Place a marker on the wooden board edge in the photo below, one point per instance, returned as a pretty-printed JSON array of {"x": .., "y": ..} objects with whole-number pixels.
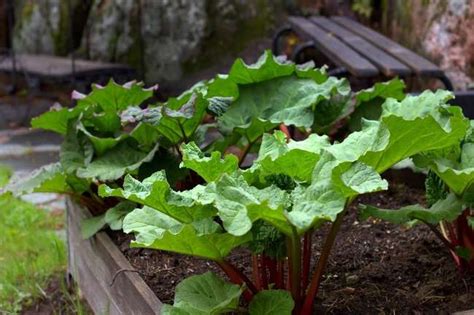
[{"x": 104, "y": 259}]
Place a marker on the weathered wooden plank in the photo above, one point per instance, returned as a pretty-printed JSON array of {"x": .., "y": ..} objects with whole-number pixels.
[
  {"x": 333, "y": 48},
  {"x": 387, "y": 64},
  {"x": 93, "y": 264},
  {"x": 418, "y": 64},
  {"x": 59, "y": 67}
]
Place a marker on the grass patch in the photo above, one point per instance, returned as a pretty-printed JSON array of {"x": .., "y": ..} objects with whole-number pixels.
[
  {"x": 30, "y": 250},
  {"x": 5, "y": 173}
]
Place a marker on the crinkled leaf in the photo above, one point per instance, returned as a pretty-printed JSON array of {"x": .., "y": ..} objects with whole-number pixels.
[
  {"x": 101, "y": 144},
  {"x": 295, "y": 158},
  {"x": 156, "y": 230},
  {"x": 155, "y": 192},
  {"x": 267, "y": 67},
  {"x": 219, "y": 105},
  {"x": 315, "y": 204},
  {"x": 240, "y": 204},
  {"x": 146, "y": 136},
  {"x": 102, "y": 122},
  {"x": 459, "y": 176},
  {"x": 114, "y": 97},
  {"x": 181, "y": 117},
  {"x": 416, "y": 124},
  {"x": 357, "y": 178},
  {"x": 76, "y": 150},
  {"x": 54, "y": 120},
  {"x": 49, "y": 178},
  {"x": 210, "y": 168},
  {"x": 332, "y": 111},
  {"x": 204, "y": 294},
  {"x": 272, "y": 302},
  {"x": 148, "y": 224},
  {"x": 447, "y": 209},
  {"x": 116, "y": 162},
  {"x": 149, "y": 115},
  {"x": 262, "y": 106}
]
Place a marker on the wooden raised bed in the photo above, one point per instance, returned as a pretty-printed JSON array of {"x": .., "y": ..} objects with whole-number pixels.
[{"x": 94, "y": 263}]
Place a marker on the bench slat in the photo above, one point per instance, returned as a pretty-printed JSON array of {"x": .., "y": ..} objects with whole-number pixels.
[
  {"x": 387, "y": 64},
  {"x": 420, "y": 65},
  {"x": 59, "y": 67},
  {"x": 335, "y": 49}
]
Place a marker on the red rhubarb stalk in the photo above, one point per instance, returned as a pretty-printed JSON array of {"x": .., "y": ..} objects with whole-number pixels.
[
  {"x": 306, "y": 261},
  {"x": 256, "y": 272},
  {"x": 321, "y": 265},
  {"x": 237, "y": 277}
]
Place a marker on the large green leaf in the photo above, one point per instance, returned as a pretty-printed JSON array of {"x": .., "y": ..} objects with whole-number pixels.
[
  {"x": 447, "y": 209},
  {"x": 49, "y": 178},
  {"x": 101, "y": 144},
  {"x": 181, "y": 117},
  {"x": 240, "y": 204},
  {"x": 155, "y": 192},
  {"x": 289, "y": 100},
  {"x": 177, "y": 119},
  {"x": 458, "y": 176},
  {"x": 154, "y": 229},
  {"x": 209, "y": 168},
  {"x": 253, "y": 99},
  {"x": 115, "y": 163},
  {"x": 56, "y": 119},
  {"x": 146, "y": 136},
  {"x": 416, "y": 124},
  {"x": 205, "y": 294},
  {"x": 76, "y": 150},
  {"x": 267, "y": 67},
  {"x": 113, "y": 97},
  {"x": 272, "y": 302},
  {"x": 293, "y": 158}
]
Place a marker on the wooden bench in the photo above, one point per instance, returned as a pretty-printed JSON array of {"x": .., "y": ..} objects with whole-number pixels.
[
  {"x": 36, "y": 69},
  {"x": 356, "y": 49}
]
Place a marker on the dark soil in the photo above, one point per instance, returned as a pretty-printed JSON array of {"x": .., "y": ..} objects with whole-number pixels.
[
  {"x": 58, "y": 298},
  {"x": 375, "y": 267}
]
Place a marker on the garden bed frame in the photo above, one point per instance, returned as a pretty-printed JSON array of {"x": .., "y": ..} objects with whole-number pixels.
[{"x": 103, "y": 274}]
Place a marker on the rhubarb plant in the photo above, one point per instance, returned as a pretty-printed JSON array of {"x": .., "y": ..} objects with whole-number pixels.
[
  {"x": 117, "y": 130},
  {"x": 272, "y": 207},
  {"x": 450, "y": 194}
]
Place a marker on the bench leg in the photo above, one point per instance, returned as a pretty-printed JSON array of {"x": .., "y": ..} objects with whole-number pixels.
[
  {"x": 284, "y": 30},
  {"x": 338, "y": 72},
  {"x": 297, "y": 53},
  {"x": 446, "y": 81}
]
